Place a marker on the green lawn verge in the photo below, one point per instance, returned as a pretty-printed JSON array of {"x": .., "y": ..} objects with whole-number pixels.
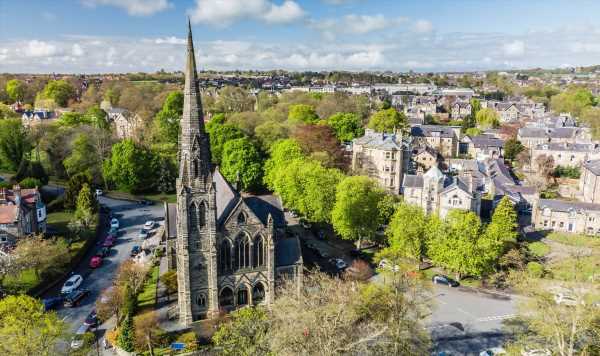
[
  {"x": 147, "y": 297},
  {"x": 581, "y": 269},
  {"x": 575, "y": 239},
  {"x": 24, "y": 281},
  {"x": 539, "y": 249},
  {"x": 60, "y": 221}
]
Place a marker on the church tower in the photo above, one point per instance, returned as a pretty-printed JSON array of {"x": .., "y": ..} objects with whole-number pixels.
[{"x": 196, "y": 207}]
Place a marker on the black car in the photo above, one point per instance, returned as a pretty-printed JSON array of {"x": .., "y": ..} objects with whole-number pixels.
[
  {"x": 91, "y": 319},
  {"x": 135, "y": 250},
  {"x": 103, "y": 252},
  {"x": 440, "y": 279},
  {"x": 52, "y": 302},
  {"x": 75, "y": 297}
]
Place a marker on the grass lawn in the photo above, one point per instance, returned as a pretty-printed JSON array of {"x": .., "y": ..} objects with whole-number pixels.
[
  {"x": 539, "y": 249},
  {"x": 60, "y": 221},
  {"x": 23, "y": 282},
  {"x": 147, "y": 297},
  {"x": 575, "y": 239},
  {"x": 581, "y": 269}
]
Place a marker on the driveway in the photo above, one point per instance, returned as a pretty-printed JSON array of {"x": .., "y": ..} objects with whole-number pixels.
[
  {"x": 465, "y": 321},
  {"x": 132, "y": 217}
]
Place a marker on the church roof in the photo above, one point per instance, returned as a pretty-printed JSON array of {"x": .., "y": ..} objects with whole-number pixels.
[
  {"x": 227, "y": 198},
  {"x": 263, "y": 205},
  {"x": 287, "y": 252}
]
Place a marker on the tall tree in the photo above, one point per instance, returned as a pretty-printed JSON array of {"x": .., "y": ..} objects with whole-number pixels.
[
  {"x": 60, "y": 91},
  {"x": 245, "y": 334},
  {"x": 15, "y": 89},
  {"x": 347, "y": 126},
  {"x": 130, "y": 167},
  {"x": 406, "y": 234},
  {"x": 83, "y": 158},
  {"x": 219, "y": 134},
  {"x": 388, "y": 120},
  {"x": 167, "y": 120},
  {"x": 282, "y": 153},
  {"x": 242, "y": 164},
  {"x": 14, "y": 143},
  {"x": 97, "y": 117},
  {"x": 86, "y": 207},
  {"x": 74, "y": 185},
  {"x": 512, "y": 147},
  {"x": 147, "y": 331},
  {"x": 126, "y": 338},
  {"x": 487, "y": 118},
  {"x": 319, "y": 142},
  {"x": 355, "y": 215},
  {"x": 302, "y": 114},
  {"x": 25, "y": 329},
  {"x": 573, "y": 100}
]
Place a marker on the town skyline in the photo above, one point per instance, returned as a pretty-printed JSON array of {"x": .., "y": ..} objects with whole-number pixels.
[{"x": 430, "y": 36}]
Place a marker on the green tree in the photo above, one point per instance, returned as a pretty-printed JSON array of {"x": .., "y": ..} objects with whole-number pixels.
[
  {"x": 60, "y": 91},
  {"x": 355, "y": 214},
  {"x": 167, "y": 120},
  {"x": 475, "y": 107},
  {"x": 130, "y": 167},
  {"x": 573, "y": 100},
  {"x": 245, "y": 333},
  {"x": 126, "y": 338},
  {"x": 347, "y": 126},
  {"x": 25, "y": 329},
  {"x": 406, "y": 234},
  {"x": 487, "y": 118},
  {"x": 504, "y": 224},
  {"x": 73, "y": 119},
  {"x": 473, "y": 131},
  {"x": 282, "y": 153},
  {"x": 14, "y": 143},
  {"x": 219, "y": 134},
  {"x": 74, "y": 185},
  {"x": 302, "y": 114},
  {"x": 453, "y": 243},
  {"x": 388, "y": 120},
  {"x": 15, "y": 89},
  {"x": 97, "y": 117},
  {"x": 112, "y": 95},
  {"x": 270, "y": 132},
  {"x": 6, "y": 112},
  {"x": 242, "y": 163},
  {"x": 86, "y": 207},
  {"x": 29, "y": 183},
  {"x": 83, "y": 157},
  {"x": 512, "y": 147},
  {"x": 167, "y": 174}
]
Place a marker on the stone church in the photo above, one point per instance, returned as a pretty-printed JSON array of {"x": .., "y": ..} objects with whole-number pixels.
[{"x": 229, "y": 249}]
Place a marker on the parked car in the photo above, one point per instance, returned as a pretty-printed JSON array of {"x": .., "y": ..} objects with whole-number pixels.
[
  {"x": 440, "y": 279},
  {"x": 103, "y": 252},
  {"x": 114, "y": 223},
  {"x": 99, "y": 192},
  {"x": 113, "y": 231},
  {"x": 323, "y": 253},
  {"x": 565, "y": 299},
  {"x": 147, "y": 202},
  {"x": 78, "y": 340},
  {"x": 96, "y": 262},
  {"x": 135, "y": 250},
  {"x": 91, "y": 319},
  {"x": 385, "y": 264},
  {"x": 149, "y": 225},
  {"x": 143, "y": 234},
  {"x": 52, "y": 302},
  {"x": 340, "y": 264},
  {"x": 75, "y": 297},
  {"x": 108, "y": 242},
  {"x": 493, "y": 351},
  {"x": 71, "y": 284}
]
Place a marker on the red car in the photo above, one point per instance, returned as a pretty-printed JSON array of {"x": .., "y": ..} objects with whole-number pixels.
[
  {"x": 108, "y": 242},
  {"x": 96, "y": 262}
]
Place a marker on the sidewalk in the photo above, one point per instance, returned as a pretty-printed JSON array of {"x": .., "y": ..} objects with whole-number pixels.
[{"x": 163, "y": 303}]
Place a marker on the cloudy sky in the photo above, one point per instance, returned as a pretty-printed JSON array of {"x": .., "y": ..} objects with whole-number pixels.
[{"x": 95, "y": 36}]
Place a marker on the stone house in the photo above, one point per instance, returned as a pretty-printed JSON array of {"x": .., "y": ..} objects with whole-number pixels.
[
  {"x": 533, "y": 136},
  {"x": 438, "y": 194},
  {"x": 589, "y": 182},
  {"x": 460, "y": 110},
  {"x": 567, "y": 154},
  {"x": 425, "y": 157},
  {"x": 380, "y": 156},
  {"x": 22, "y": 213},
  {"x": 125, "y": 122},
  {"x": 567, "y": 216},
  {"x": 481, "y": 147},
  {"x": 508, "y": 112},
  {"x": 443, "y": 139}
]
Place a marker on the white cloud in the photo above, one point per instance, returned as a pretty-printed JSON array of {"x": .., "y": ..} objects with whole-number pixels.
[
  {"x": 77, "y": 50},
  {"x": 37, "y": 48},
  {"x": 133, "y": 7},
  {"x": 223, "y": 13},
  {"x": 355, "y": 24},
  {"x": 170, "y": 40},
  {"x": 514, "y": 49},
  {"x": 423, "y": 26}
]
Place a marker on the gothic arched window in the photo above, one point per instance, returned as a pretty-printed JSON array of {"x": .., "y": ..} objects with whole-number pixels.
[
  {"x": 202, "y": 214},
  {"x": 225, "y": 256},
  {"x": 242, "y": 296},
  {"x": 202, "y": 301},
  {"x": 258, "y": 293},
  {"x": 241, "y": 218},
  {"x": 258, "y": 256},
  {"x": 226, "y": 297},
  {"x": 193, "y": 220},
  {"x": 196, "y": 167},
  {"x": 242, "y": 252}
]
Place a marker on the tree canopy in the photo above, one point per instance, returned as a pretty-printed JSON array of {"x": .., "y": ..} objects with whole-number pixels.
[
  {"x": 406, "y": 233},
  {"x": 487, "y": 118},
  {"x": 347, "y": 126},
  {"x": 242, "y": 164},
  {"x": 14, "y": 143},
  {"x": 131, "y": 167},
  {"x": 573, "y": 100},
  {"x": 302, "y": 114},
  {"x": 388, "y": 120},
  {"x": 15, "y": 89},
  {"x": 60, "y": 91}
]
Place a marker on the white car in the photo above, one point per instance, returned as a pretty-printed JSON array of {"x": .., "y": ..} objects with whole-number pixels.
[
  {"x": 536, "y": 352},
  {"x": 71, "y": 284},
  {"x": 77, "y": 341},
  {"x": 114, "y": 223},
  {"x": 143, "y": 234},
  {"x": 565, "y": 299},
  {"x": 99, "y": 192},
  {"x": 149, "y": 224},
  {"x": 493, "y": 351},
  {"x": 340, "y": 264},
  {"x": 385, "y": 264}
]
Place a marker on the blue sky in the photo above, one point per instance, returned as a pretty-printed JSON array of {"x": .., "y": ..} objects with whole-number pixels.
[{"x": 399, "y": 35}]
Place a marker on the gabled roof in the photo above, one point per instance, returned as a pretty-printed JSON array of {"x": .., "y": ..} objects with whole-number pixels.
[
  {"x": 593, "y": 166},
  {"x": 412, "y": 181},
  {"x": 287, "y": 252},
  {"x": 380, "y": 140},
  {"x": 264, "y": 205},
  {"x": 434, "y": 173},
  {"x": 226, "y": 197},
  {"x": 567, "y": 206},
  {"x": 486, "y": 141},
  {"x": 431, "y": 130}
]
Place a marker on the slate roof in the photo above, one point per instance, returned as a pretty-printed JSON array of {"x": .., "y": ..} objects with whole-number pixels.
[
  {"x": 535, "y": 132},
  {"x": 563, "y": 132},
  {"x": 380, "y": 140},
  {"x": 458, "y": 182},
  {"x": 486, "y": 141},
  {"x": 412, "y": 181},
  {"x": 287, "y": 252},
  {"x": 263, "y": 205},
  {"x": 429, "y": 130},
  {"x": 593, "y": 166},
  {"x": 567, "y": 206},
  {"x": 226, "y": 196},
  {"x": 564, "y": 146}
]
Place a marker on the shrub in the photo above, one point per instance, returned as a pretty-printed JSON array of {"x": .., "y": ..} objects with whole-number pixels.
[
  {"x": 29, "y": 183},
  {"x": 567, "y": 172},
  {"x": 190, "y": 340},
  {"x": 535, "y": 269},
  {"x": 127, "y": 334},
  {"x": 539, "y": 249}
]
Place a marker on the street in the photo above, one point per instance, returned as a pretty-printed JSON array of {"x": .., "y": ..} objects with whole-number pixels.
[
  {"x": 131, "y": 218},
  {"x": 465, "y": 321}
]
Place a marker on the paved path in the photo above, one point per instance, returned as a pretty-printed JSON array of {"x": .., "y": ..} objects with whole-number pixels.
[
  {"x": 131, "y": 217},
  {"x": 465, "y": 321}
]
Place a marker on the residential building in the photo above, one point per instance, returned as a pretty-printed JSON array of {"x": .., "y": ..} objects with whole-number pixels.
[
  {"x": 567, "y": 216},
  {"x": 22, "y": 213},
  {"x": 567, "y": 154},
  {"x": 380, "y": 156},
  {"x": 533, "y": 136},
  {"x": 125, "y": 122},
  {"x": 460, "y": 110},
  {"x": 425, "y": 157},
  {"x": 481, "y": 147},
  {"x": 438, "y": 194},
  {"x": 31, "y": 118},
  {"x": 589, "y": 182},
  {"x": 443, "y": 139},
  {"x": 231, "y": 249}
]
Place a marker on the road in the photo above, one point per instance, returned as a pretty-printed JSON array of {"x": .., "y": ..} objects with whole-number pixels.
[
  {"x": 465, "y": 321},
  {"x": 132, "y": 217}
]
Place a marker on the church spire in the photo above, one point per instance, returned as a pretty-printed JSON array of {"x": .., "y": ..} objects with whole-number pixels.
[{"x": 195, "y": 147}]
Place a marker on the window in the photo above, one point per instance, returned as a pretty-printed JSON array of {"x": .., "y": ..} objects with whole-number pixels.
[
  {"x": 591, "y": 219},
  {"x": 242, "y": 252},
  {"x": 241, "y": 218},
  {"x": 561, "y": 224},
  {"x": 202, "y": 215},
  {"x": 387, "y": 155},
  {"x": 553, "y": 223},
  {"x": 242, "y": 297},
  {"x": 387, "y": 168},
  {"x": 455, "y": 201},
  {"x": 572, "y": 158},
  {"x": 193, "y": 220},
  {"x": 545, "y": 223},
  {"x": 226, "y": 297},
  {"x": 196, "y": 168},
  {"x": 225, "y": 256},
  {"x": 258, "y": 293},
  {"x": 201, "y": 301},
  {"x": 259, "y": 252}
]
